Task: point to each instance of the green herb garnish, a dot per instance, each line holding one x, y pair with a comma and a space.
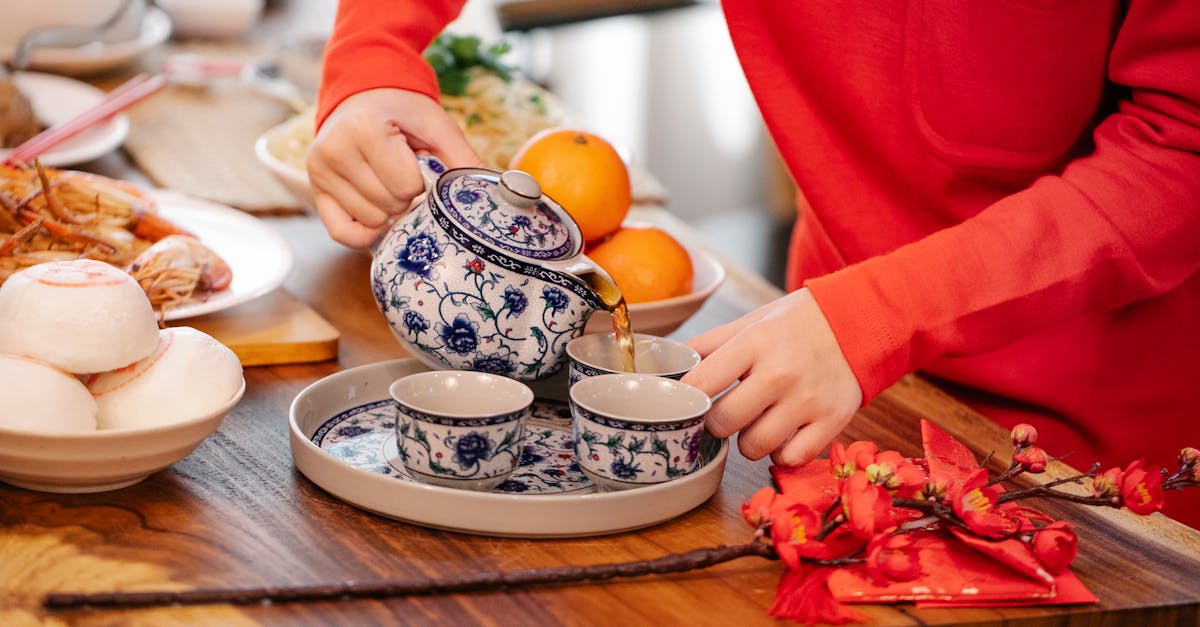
452, 56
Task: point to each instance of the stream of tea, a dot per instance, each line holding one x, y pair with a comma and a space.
614, 302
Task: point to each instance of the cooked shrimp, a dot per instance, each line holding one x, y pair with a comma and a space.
179, 269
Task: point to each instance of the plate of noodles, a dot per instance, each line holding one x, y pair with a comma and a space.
259, 258
497, 109
190, 256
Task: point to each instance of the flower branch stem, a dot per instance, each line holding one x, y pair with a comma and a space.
474, 582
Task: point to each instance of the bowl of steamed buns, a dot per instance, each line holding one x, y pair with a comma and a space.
96, 396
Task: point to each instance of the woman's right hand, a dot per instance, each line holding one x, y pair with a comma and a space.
363, 167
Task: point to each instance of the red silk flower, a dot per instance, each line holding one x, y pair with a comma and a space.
975, 503
1031, 458
896, 473
868, 506
893, 557
847, 460
757, 511
1056, 546
793, 532
1141, 491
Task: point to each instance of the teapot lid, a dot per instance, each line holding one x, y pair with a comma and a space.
508, 211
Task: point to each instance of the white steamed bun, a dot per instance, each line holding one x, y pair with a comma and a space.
80, 315
38, 397
189, 375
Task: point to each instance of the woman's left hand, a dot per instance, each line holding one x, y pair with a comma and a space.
795, 391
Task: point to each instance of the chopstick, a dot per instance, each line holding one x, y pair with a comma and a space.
122, 97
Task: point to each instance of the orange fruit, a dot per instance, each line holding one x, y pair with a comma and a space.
583, 173
646, 263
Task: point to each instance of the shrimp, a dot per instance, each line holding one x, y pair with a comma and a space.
178, 269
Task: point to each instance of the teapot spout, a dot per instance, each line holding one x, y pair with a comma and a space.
601, 285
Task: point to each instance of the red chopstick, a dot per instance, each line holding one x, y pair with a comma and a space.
122, 97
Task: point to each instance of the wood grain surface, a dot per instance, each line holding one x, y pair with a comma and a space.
237, 513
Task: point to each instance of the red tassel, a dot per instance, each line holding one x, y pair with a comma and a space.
803, 596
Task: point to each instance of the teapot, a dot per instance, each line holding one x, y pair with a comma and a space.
486, 273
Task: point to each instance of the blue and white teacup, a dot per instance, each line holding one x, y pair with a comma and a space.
597, 353
460, 429
632, 430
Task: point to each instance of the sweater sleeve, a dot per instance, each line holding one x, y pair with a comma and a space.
379, 43
1117, 226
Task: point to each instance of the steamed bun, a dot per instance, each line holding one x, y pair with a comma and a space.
40, 398
80, 315
189, 375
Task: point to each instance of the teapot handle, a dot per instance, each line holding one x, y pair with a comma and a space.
431, 169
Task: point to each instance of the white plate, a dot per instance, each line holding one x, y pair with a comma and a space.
259, 257
373, 482
99, 57
56, 99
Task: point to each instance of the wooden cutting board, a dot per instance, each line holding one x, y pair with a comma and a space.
275, 329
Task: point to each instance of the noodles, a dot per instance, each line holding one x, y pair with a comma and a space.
496, 116
51, 215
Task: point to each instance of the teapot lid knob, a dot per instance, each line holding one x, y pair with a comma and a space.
519, 189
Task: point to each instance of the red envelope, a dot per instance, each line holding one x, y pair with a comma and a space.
951, 572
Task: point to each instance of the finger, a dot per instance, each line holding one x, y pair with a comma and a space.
806, 444
771, 430
343, 228
720, 369
392, 166
737, 408
352, 202
711, 340
360, 176
442, 136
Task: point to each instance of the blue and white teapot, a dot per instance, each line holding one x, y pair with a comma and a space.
486, 273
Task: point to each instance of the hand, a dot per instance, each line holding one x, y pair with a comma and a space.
363, 167
795, 391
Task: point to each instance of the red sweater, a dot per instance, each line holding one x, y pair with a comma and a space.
1003, 195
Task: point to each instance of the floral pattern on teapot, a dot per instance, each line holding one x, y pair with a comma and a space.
540, 234
457, 302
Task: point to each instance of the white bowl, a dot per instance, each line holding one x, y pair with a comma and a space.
662, 317
101, 460
212, 19
24, 16
291, 177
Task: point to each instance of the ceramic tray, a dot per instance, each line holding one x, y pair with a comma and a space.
342, 440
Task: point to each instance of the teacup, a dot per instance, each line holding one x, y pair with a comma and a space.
597, 353
460, 429
632, 430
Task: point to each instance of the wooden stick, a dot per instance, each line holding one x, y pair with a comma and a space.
674, 563
124, 96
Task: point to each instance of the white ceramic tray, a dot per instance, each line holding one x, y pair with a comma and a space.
341, 439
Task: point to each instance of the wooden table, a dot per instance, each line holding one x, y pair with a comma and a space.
237, 513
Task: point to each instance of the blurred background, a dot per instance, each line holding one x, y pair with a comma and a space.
660, 80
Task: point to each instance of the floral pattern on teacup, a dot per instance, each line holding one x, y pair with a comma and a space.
636, 453
473, 448
365, 437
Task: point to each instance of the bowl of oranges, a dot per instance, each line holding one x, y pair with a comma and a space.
663, 280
